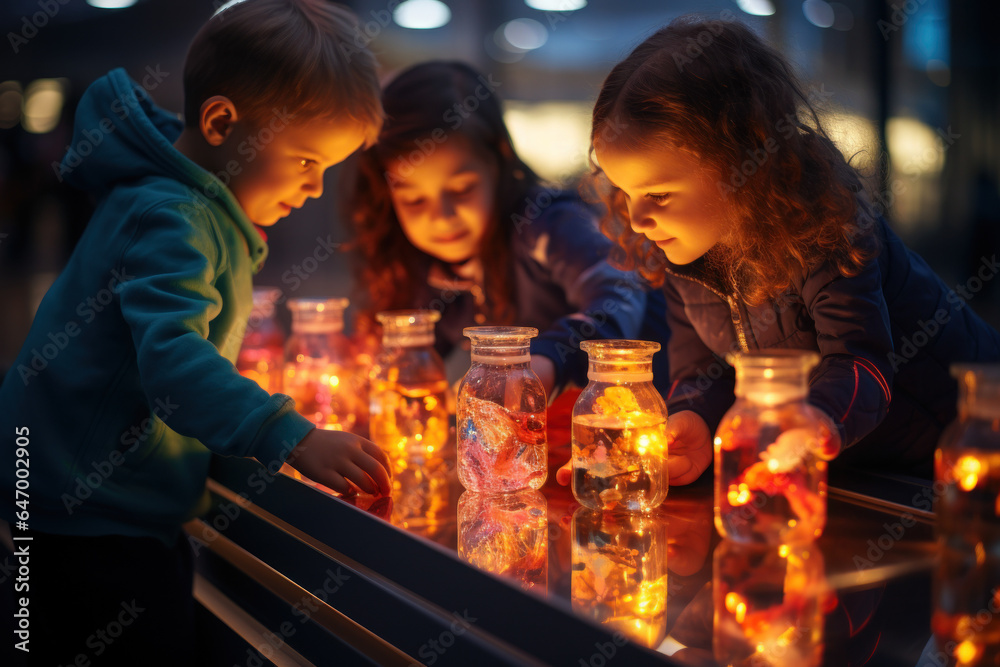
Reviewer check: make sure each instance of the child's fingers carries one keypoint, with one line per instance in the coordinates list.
(360, 478)
(335, 482)
(565, 473)
(376, 472)
(377, 452)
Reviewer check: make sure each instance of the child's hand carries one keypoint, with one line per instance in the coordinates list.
(689, 447)
(829, 444)
(333, 458)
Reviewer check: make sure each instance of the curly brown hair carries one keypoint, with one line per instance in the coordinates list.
(421, 102)
(715, 90)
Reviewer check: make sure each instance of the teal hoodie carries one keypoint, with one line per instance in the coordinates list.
(126, 381)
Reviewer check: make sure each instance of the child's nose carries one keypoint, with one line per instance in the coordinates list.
(314, 186)
(639, 218)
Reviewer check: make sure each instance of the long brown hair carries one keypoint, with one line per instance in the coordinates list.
(425, 105)
(715, 90)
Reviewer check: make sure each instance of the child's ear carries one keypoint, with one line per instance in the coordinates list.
(218, 114)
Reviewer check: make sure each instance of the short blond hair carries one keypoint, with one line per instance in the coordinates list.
(295, 56)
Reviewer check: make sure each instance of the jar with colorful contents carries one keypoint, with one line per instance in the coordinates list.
(619, 429)
(408, 405)
(262, 355)
(967, 487)
(317, 363)
(770, 482)
(501, 419)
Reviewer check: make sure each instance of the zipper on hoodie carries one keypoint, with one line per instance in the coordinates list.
(734, 310)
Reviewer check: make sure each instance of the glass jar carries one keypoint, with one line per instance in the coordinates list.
(770, 483)
(501, 414)
(967, 485)
(619, 429)
(261, 357)
(506, 534)
(769, 605)
(316, 363)
(619, 575)
(408, 404)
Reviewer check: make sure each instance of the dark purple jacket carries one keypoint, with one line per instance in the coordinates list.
(886, 337)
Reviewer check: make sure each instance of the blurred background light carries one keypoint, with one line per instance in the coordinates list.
(819, 13)
(938, 72)
(914, 148)
(756, 7)
(843, 17)
(43, 104)
(855, 136)
(551, 137)
(111, 4)
(422, 14)
(556, 5)
(525, 34)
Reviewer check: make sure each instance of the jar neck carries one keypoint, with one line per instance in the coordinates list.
(501, 355)
(761, 388)
(979, 394)
(620, 371)
(408, 337)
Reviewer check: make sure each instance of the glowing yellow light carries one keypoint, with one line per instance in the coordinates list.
(738, 495)
(418, 437)
(783, 551)
(299, 358)
(967, 471)
(643, 444)
(736, 606)
(718, 441)
(430, 402)
(792, 523)
(320, 307)
(966, 652)
(334, 380)
(430, 448)
(773, 465)
(741, 612)
(768, 373)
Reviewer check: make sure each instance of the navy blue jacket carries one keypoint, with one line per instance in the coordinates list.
(886, 338)
(564, 287)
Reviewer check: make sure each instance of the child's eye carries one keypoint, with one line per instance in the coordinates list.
(413, 202)
(659, 198)
(465, 189)
(305, 162)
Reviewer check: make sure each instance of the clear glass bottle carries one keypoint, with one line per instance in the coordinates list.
(619, 429)
(501, 414)
(769, 605)
(619, 574)
(506, 534)
(262, 354)
(967, 485)
(770, 484)
(408, 403)
(317, 363)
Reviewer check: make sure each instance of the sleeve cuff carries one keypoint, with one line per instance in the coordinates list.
(280, 433)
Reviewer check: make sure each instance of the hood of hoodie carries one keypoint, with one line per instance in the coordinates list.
(120, 136)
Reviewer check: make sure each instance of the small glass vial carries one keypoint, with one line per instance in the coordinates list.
(769, 605)
(261, 357)
(770, 484)
(506, 534)
(619, 429)
(619, 574)
(316, 363)
(408, 406)
(967, 485)
(501, 414)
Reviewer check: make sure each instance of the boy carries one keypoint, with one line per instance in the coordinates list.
(126, 382)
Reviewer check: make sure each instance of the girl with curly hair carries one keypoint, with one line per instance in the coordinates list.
(448, 217)
(722, 185)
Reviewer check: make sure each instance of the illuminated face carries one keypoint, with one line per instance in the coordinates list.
(672, 198)
(445, 203)
(277, 166)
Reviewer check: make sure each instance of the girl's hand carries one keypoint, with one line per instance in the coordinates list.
(689, 447)
(337, 459)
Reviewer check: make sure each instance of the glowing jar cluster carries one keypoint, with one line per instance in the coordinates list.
(317, 364)
(619, 429)
(501, 420)
(770, 484)
(966, 617)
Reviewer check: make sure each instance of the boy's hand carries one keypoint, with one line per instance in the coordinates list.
(689, 449)
(333, 458)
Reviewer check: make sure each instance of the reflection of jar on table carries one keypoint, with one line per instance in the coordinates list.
(620, 572)
(506, 534)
